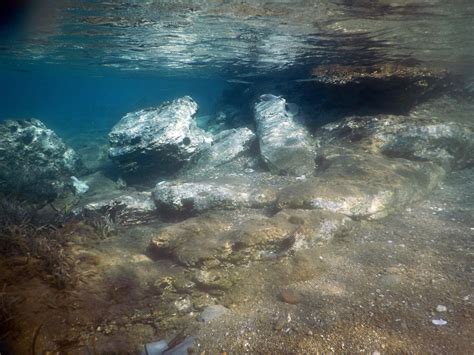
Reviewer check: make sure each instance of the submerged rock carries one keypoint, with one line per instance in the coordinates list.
(125, 209)
(363, 185)
(449, 144)
(158, 140)
(35, 164)
(196, 197)
(284, 144)
(232, 150)
(234, 238)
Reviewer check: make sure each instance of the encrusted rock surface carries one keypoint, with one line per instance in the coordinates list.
(449, 144)
(362, 185)
(158, 140)
(125, 209)
(232, 150)
(227, 237)
(195, 197)
(285, 144)
(342, 75)
(35, 164)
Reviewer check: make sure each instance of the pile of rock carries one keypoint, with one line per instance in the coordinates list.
(249, 194)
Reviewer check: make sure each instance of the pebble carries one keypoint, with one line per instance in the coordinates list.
(439, 322)
(279, 324)
(290, 296)
(441, 308)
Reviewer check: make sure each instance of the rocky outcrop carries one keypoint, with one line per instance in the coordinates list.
(285, 145)
(197, 197)
(233, 238)
(35, 164)
(362, 185)
(342, 75)
(158, 140)
(449, 144)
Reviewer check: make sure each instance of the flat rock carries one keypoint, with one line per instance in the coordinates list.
(158, 140)
(285, 145)
(35, 164)
(233, 238)
(225, 193)
(363, 186)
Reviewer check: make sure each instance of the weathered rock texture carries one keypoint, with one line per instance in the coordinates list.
(125, 209)
(232, 151)
(35, 164)
(221, 237)
(362, 185)
(367, 167)
(285, 145)
(449, 144)
(196, 197)
(158, 140)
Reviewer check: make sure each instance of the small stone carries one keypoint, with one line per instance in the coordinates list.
(279, 324)
(441, 308)
(439, 322)
(290, 296)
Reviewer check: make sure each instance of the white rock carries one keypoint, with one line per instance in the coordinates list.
(80, 187)
(441, 308)
(439, 322)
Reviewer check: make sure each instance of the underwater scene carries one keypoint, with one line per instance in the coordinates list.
(227, 177)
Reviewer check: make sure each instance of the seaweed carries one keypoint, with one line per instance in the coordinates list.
(24, 233)
(7, 312)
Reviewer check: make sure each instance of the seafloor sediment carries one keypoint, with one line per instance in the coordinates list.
(343, 238)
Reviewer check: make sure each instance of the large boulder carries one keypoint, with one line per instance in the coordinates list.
(228, 145)
(158, 140)
(35, 164)
(285, 144)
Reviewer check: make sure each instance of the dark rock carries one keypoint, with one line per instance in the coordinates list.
(158, 140)
(389, 88)
(285, 145)
(336, 74)
(290, 296)
(35, 164)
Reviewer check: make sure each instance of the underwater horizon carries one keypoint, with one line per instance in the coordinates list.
(225, 176)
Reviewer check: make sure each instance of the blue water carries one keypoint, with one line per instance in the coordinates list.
(68, 99)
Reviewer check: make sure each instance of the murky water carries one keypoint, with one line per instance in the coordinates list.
(236, 176)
